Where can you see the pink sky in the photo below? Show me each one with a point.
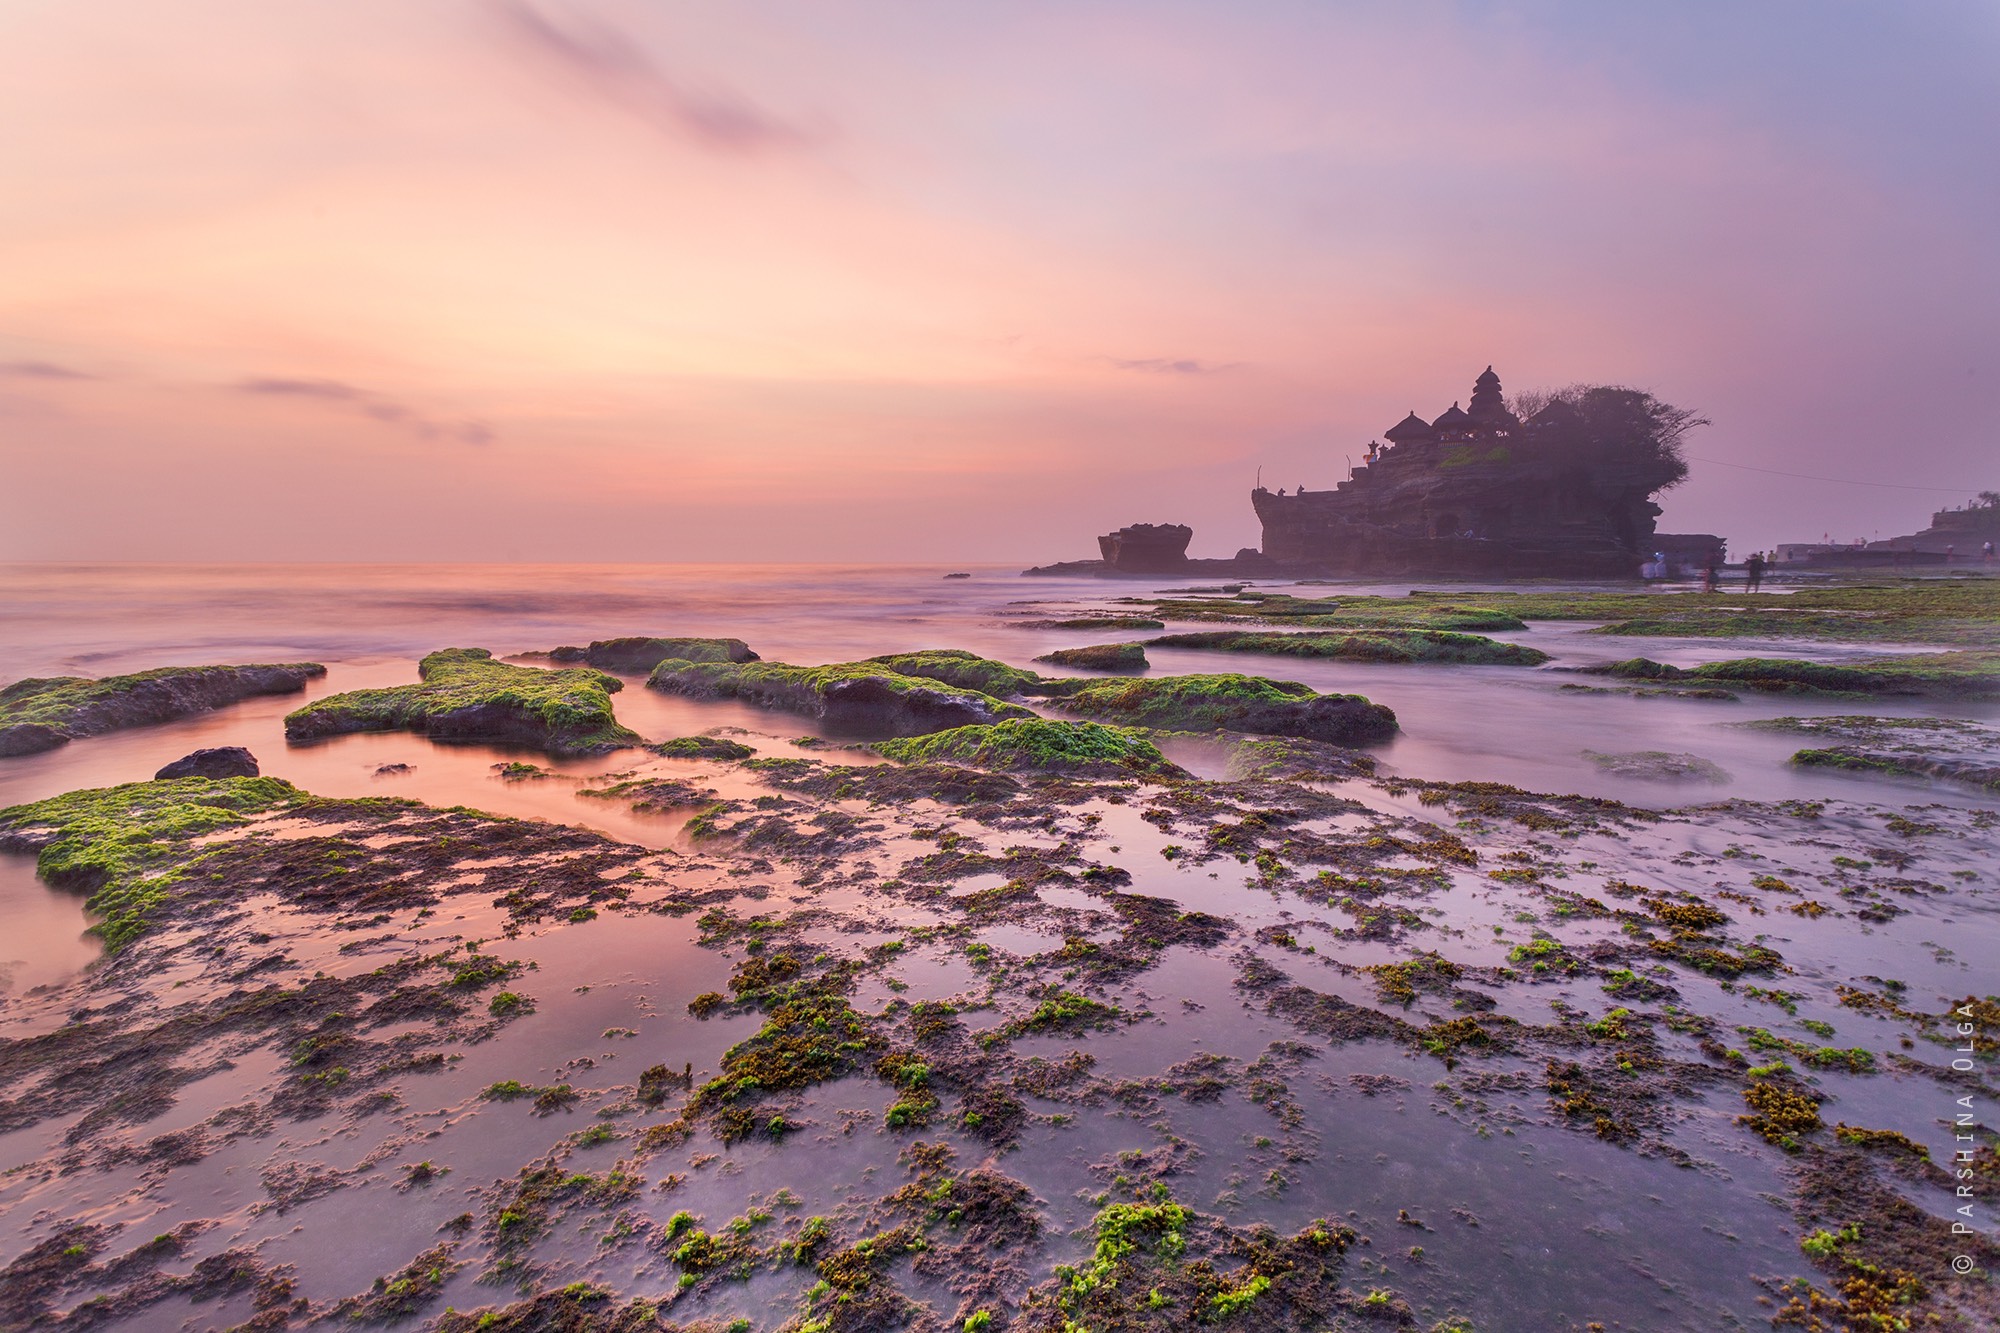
(536, 279)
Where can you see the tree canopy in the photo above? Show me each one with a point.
(1628, 425)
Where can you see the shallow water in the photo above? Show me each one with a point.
(370, 623)
(1565, 1226)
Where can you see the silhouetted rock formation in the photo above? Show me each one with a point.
(1147, 548)
(1478, 491)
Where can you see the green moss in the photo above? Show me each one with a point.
(640, 654)
(1365, 645)
(1842, 757)
(126, 846)
(1100, 657)
(703, 747)
(858, 695)
(1035, 745)
(1096, 622)
(1343, 612)
(1232, 703)
(43, 712)
(1965, 675)
(811, 1035)
(466, 695)
(1912, 610)
(1954, 749)
(968, 671)
(1066, 1011)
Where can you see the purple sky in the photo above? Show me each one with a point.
(602, 279)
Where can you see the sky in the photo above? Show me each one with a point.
(633, 280)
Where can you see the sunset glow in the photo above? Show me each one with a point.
(521, 279)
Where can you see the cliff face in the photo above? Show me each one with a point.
(1147, 548)
(1960, 529)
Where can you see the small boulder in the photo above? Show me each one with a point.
(225, 761)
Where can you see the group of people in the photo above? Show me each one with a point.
(1753, 572)
(1711, 573)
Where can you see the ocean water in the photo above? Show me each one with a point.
(371, 622)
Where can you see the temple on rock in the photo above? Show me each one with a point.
(1476, 490)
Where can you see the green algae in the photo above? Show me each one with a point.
(638, 654)
(858, 695)
(1038, 746)
(1967, 674)
(42, 712)
(703, 747)
(1342, 612)
(1096, 622)
(125, 846)
(1365, 645)
(1951, 749)
(1231, 703)
(967, 671)
(1100, 657)
(1141, 1276)
(1963, 611)
(466, 695)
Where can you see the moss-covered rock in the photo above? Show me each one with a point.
(41, 713)
(1365, 645)
(703, 747)
(968, 671)
(639, 654)
(124, 846)
(1954, 749)
(1412, 612)
(1658, 766)
(1100, 657)
(1971, 674)
(1292, 759)
(1964, 611)
(467, 696)
(1096, 622)
(1038, 746)
(1233, 703)
(857, 697)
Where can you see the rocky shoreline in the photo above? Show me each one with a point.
(1115, 1007)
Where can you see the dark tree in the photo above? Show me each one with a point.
(1616, 424)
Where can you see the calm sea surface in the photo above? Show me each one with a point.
(371, 622)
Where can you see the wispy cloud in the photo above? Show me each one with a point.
(40, 370)
(374, 405)
(1161, 365)
(618, 70)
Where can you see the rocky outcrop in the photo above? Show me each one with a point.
(1566, 493)
(968, 671)
(1099, 657)
(1388, 644)
(637, 655)
(44, 712)
(467, 696)
(1232, 703)
(224, 761)
(1147, 548)
(1079, 749)
(865, 698)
